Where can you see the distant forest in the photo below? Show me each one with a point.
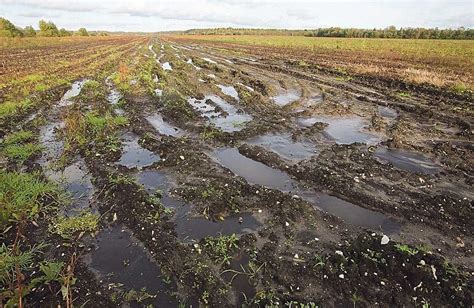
(389, 32)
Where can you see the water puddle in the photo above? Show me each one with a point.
(284, 146)
(188, 227)
(287, 97)
(408, 161)
(119, 258)
(150, 47)
(246, 86)
(134, 155)
(163, 127)
(254, 172)
(167, 66)
(343, 131)
(352, 213)
(229, 90)
(240, 283)
(191, 228)
(388, 112)
(77, 181)
(220, 113)
(209, 60)
(114, 95)
(190, 61)
(74, 91)
(52, 147)
(257, 173)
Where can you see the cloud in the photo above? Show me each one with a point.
(153, 15)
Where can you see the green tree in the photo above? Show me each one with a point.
(29, 31)
(82, 32)
(8, 29)
(64, 32)
(47, 28)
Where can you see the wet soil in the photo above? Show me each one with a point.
(316, 190)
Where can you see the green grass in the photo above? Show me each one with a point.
(220, 248)
(18, 146)
(68, 227)
(24, 196)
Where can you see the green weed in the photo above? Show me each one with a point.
(220, 248)
(68, 227)
(23, 196)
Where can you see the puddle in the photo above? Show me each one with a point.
(152, 51)
(191, 228)
(343, 131)
(230, 120)
(257, 173)
(134, 155)
(254, 172)
(52, 147)
(114, 95)
(408, 161)
(246, 86)
(120, 258)
(388, 112)
(284, 146)
(74, 91)
(240, 283)
(77, 181)
(167, 66)
(352, 213)
(190, 61)
(162, 127)
(287, 97)
(209, 60)
(229, 90)
(158, 92)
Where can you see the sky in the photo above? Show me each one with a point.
(164, 15)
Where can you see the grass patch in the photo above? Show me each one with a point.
(220, 248)
(18, 146)
(68, 227)
(24, 196)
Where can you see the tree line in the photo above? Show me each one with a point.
(45, 28)
(389, 32)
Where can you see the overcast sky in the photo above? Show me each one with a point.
(156, 15)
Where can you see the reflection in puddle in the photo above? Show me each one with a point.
(119, 258)
(52, 147)
(229, 119)
(387, 112)
(284, 146)
(258, 173)
(246, 86)
(254, 172)
(193, 228)
(134, 155)
(286, 97)
(77, 181)
(343, 131)
(409, 161)
(190, 61)
(73, 92)
(229, 90)
(114, 94)
(241, 286)
(209, 60)
(167, 66)
(162, 127)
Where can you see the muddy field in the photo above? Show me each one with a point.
(206, 175)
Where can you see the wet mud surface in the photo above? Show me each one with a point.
(252, 181)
